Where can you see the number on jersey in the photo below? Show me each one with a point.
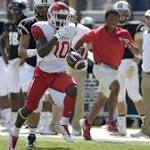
(62, 49)
(13, 38)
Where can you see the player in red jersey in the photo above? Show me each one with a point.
(53, 39)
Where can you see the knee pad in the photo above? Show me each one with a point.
(72, 90)
(24, 112)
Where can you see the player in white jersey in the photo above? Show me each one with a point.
(53, 39)
(128, 76)
(27, 50)
(4, 101)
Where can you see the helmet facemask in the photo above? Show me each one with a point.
(59, 19)
(124, 9)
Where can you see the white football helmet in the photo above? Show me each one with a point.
(58, 14)
(125, 10)
(41, 7)
(88, 21)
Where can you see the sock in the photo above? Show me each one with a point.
(64, 121)
(121, 120)
(69, 105)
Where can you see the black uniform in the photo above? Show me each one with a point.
(25, 29)
(133, 27)
(13, 35)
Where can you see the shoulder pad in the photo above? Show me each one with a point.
(25, 25)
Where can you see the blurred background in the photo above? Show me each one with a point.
(93, 8)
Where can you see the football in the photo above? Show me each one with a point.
(75, 60)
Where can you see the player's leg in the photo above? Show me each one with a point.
(112, 104)
(79, 77)
(56, 99)
(133, 92)
(4, 101)
(122, 106)
(13, 88)
(36, 90)
(106, 77)
(68, 87)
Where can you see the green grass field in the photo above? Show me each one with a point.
(59, 144)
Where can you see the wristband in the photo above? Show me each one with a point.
(31, 52)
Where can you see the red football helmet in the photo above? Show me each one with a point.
(58, 14)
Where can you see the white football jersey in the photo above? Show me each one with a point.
(80, 31)
(55, 60)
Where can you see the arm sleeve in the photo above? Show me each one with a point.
(37, 32)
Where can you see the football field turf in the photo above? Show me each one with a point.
(103, 140)
(48, 143)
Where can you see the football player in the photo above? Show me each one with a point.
(128, 76)
(53, 39)
(15, 72)
(27, 50)
(4, 101)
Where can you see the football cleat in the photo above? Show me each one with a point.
(86, 127)
(12, 142)
(63, 129)
(111, 126)
(31, 140)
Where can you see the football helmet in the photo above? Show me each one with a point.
(17, 9)
(58, 14)
(88, 22)
(20, 5)
(41, 7)
(124, 9)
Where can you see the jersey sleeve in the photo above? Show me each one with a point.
(139, 31)
(37, 32)
(24, 27)
(87, 37)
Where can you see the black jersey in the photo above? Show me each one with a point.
(133, 27)
(13, 35)
(24, 28)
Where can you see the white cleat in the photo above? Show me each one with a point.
(122, 131)
(139, 134)
(63, 129)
